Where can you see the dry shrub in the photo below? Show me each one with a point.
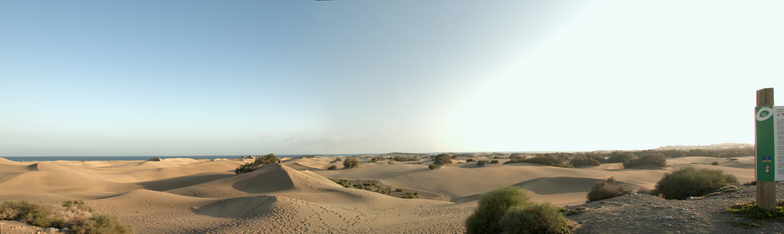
(351, 163)
(443, 159)
(656, 159)
(584, 161)
(71, 214)
(689, 182)
(535, 218)
(102, 223)
(607, 189)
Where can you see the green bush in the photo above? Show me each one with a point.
(535, 218)
(470, 160)
(715, 163)
(620, 157)
(266, 159)
(102, 223)
(595, 156)
(492, 207)
(351, 163)
(494, 161)
(72, 214)
(443, 159)
(656, 159)
(689, 182)
(333, 167)
(248, 167)
(432, 167)
(37, 214)
(405, 159)
(481, 163)
(516, 156)
(607, 188)
(584, 161)
(408, 196)
(556, 160)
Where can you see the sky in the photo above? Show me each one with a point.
(109, 78)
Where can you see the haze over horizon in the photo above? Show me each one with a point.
(153, 78)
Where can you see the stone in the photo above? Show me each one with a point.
(50, 230)
(665, 218)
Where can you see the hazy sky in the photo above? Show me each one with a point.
(350, 76)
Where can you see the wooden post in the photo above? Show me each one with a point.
(766, 190)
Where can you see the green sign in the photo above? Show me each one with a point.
(769, 163)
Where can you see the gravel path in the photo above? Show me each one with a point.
(642, 213)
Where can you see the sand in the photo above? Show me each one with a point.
(296, 196)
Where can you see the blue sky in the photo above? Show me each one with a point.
(300, 77)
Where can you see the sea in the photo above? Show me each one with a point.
(140, 158)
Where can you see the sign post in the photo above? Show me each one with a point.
(768, 148)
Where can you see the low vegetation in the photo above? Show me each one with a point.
(620, 157)
(535, 218)
(248, 167)
(432, 167)
(516, 156)
(74, 215)
(494, 161)
(266, 159)
(470, 160)
(377, 159)
(374, 186)
(583, 160)
(333, 167)
(655, 159)
(595, 156)
(551, 159)
(509, 210)
(337, 159)
(258, 160)
(752, 211)
(351, 163)
(405, 159)
(689, 182)
(731, 152)
(607, 188)
(443, 159)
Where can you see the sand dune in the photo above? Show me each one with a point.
(198, 196)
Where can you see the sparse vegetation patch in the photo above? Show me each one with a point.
(75, 215)
(655, 159)
(607, 188)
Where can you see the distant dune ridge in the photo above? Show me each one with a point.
(296, 196)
